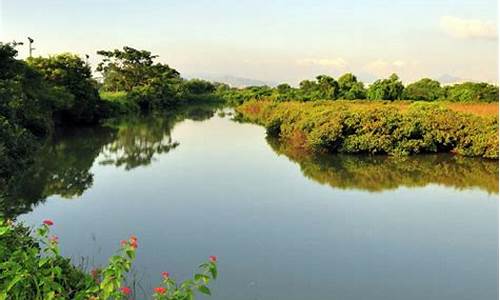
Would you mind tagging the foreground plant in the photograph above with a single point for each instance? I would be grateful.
(32, 268)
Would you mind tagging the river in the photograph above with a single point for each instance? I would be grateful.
(283, 223)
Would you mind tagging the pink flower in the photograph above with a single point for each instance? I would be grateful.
(165, 275)
(48, 222)
(54, 239)
(126, 290)
(133, 242)
(212, 258)
(160, 290)
(123, 243)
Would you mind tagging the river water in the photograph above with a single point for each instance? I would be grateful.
(283, 223)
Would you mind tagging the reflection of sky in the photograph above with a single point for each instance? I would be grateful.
(268, 40)
(278, 235)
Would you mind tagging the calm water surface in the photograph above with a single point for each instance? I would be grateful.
(284, 224)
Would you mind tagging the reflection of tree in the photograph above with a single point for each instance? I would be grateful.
(62, 166)
(378, 173)
(139, 139)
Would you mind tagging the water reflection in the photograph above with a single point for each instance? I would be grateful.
(62, 167)
(138, 141)
(379, 173)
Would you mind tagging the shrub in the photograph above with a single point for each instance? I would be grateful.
(377, 129)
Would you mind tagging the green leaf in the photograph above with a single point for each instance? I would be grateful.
(213, 271)
(4, 230)
(203, 289)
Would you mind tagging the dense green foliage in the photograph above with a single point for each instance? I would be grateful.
(377, 129)
(145, 84)
(73, 77)
(347, 87)
(472, 92)
(33, 100)
(386, 89)
(43, 93)
(31, 267)
(424, 89)
(350, 88)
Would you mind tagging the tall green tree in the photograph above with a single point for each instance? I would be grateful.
(328, 87)
(350, 88)
(123, 70)
(472, 91)
(149, 85)
(73, 76)
(386, 89)
(425, 89)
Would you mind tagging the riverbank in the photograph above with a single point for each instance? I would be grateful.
(381, 127)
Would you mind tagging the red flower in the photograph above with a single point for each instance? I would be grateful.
(212, 258)
(48, 222)
(125, 290)
(160, 290)
(133, 241)
(165, 274)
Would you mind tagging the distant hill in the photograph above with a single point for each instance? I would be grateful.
(231, 80)
(449, 79)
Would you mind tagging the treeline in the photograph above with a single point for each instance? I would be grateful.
(377, 128)
(133, 81)
(39, 94)
(347, 87)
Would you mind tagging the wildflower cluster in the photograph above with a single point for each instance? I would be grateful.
(32, 268)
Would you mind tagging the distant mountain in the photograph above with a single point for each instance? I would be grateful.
(233, 81)
(449, 79)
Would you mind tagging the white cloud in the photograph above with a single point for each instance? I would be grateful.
(468, 28)
(338, 62)
(383, 68)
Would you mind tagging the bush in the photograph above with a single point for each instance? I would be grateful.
(376, 129)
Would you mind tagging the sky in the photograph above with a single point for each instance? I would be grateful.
(273, 40)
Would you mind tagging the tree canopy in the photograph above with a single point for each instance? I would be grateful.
(386, 89)
(424, 89)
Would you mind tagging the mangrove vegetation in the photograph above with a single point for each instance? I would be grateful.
(377, 128)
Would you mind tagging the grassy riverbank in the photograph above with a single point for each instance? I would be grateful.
(380, 127)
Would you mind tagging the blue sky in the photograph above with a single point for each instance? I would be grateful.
(278, 41)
